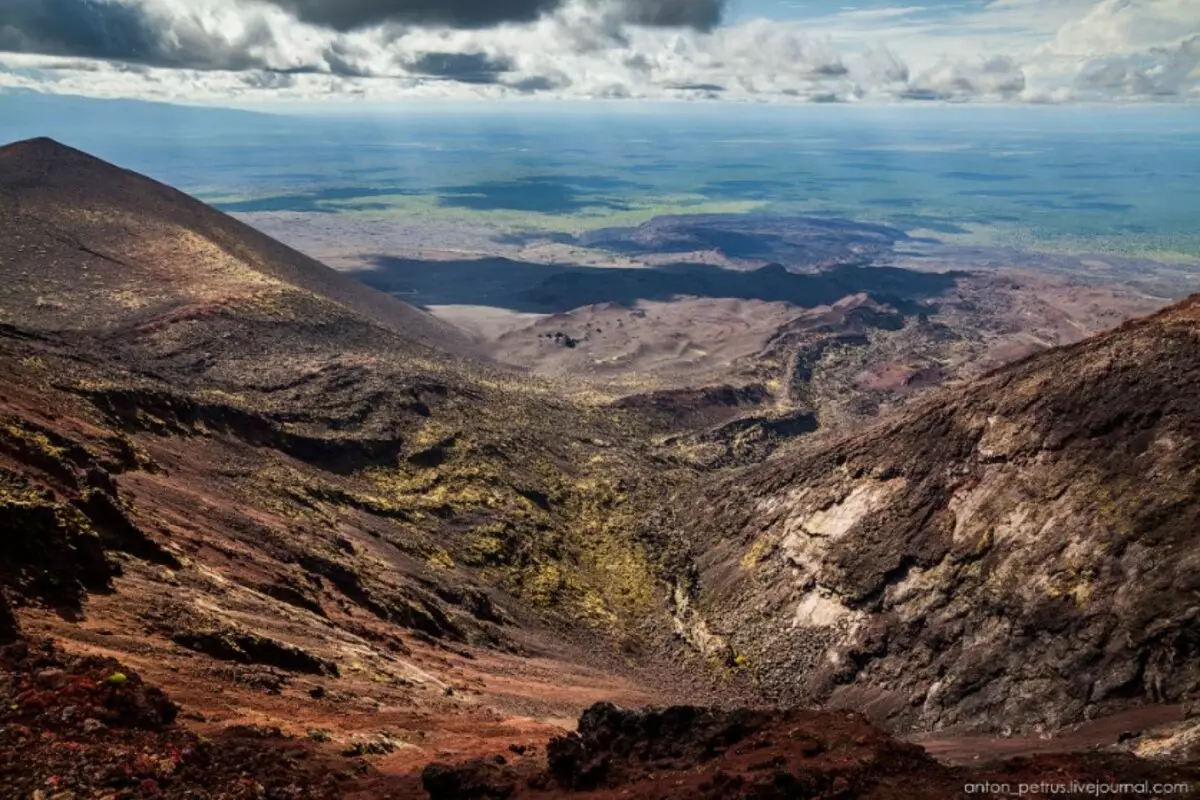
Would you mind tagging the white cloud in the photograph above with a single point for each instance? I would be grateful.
(994, 78)
(1011, 50)
(1160, 72)
(1127, 26)
(879, 13)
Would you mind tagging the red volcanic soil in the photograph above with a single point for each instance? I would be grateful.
(88, 727)
(701, 753)
(74, 727)
(371, 740)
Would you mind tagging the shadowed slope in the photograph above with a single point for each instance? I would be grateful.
(1018, 552)
(546, 288)
(85, 244)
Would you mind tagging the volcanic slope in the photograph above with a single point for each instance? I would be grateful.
(1018, 553)
(86, 245)
(274, 495)
(262, 485)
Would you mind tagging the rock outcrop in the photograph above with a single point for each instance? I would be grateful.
(1018, 552)
(742, 754)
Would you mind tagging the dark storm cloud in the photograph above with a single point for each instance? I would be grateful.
(346, 15)
(124, 31)
(461, 67)
(114, 31)
(702, 15)
(76, 28)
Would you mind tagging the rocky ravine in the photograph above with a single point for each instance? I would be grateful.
(1018, 553)
(263, 489)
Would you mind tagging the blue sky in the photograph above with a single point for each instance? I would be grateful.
(957, 17)
(865, 13)
(255, 53)
(809, 9)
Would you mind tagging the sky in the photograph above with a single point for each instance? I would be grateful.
(333, 53)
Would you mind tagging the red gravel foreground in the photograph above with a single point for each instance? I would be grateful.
(87, 728)
(77, 728)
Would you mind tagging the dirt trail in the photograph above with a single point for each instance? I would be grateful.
(1094, 735)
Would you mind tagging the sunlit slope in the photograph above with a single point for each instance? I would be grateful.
(85, 244)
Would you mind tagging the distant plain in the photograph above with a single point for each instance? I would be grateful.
(1019, 228)
(1095, 180)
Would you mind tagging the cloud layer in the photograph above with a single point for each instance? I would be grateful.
(345, 15)
(238, 50)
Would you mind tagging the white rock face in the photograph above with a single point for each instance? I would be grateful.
(816, 611)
